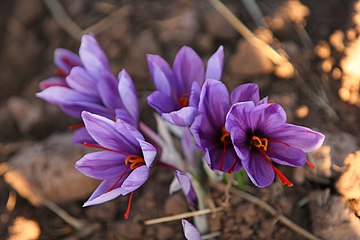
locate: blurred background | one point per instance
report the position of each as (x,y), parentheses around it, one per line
(317,81)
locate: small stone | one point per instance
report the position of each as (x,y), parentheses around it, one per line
(322,50)
(349,182)
(302,111)
(332,218)
(25,113)
(249,61)
(46,171)
(23,228)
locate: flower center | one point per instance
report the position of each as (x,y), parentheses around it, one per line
(225,136)
(184,100)
(260,143)
(134,161)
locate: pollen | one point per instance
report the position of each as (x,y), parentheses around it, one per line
(260,143)
(225,136)
(134,161)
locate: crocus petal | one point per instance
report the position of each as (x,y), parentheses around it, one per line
(92,56)
(238,122)
(187,188)
(80,80)
(194,95)
(148,151)
(135,180)
(63,95)
(188,68)
(189,149)
(52,82)
(183,117)
(129,134)
(108,90)
(227,161)
(286,155)
(81,135)
(66,60)
(258,170)
(190,232)
(203,131)
(75,109)
(298,137)
(162,103)
(104,132)
(266,117)
(106,191)
(101,165)
(125,116)
(214,102)
(215,65)
(245,92)
(161,74)
(128,94)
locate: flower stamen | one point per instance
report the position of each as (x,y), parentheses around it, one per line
(184,100)
(76,126)
(135,161)
(260,143)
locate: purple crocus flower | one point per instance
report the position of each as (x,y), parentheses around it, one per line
(190,231)
(261,136)
(90,86)
(123,165)
(178,89)
(187,188)
(209,129)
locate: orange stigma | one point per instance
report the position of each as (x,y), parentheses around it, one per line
(134,161)
(262,144)
(184,100)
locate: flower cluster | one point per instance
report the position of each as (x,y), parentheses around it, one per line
(234,131)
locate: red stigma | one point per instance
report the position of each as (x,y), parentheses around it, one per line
(278,173)
(225,139)
(101,147)
(60,72)
(310,164)
(184,100)
(127,213)
(76,126)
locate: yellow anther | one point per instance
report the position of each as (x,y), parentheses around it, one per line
(225,136)
(260,143)
(135,161)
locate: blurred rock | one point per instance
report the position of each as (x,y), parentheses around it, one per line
(321,158)
(181,29)
(27,12)
(164,232)
(349,182)
(332,218)
(217,25)
(249,61)
(8,127)
(25,113)
(105,211)
(122,230)
(175,204)
(46,171)
(136,62)
(341,144)
(23,228)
